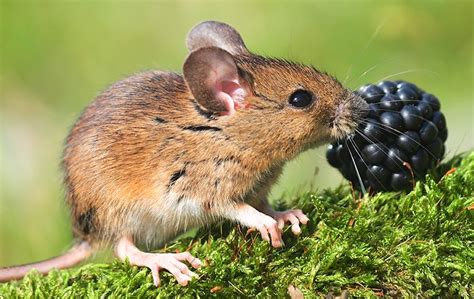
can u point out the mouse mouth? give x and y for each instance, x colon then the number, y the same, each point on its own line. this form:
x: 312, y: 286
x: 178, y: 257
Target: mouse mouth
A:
x: 347, y: 116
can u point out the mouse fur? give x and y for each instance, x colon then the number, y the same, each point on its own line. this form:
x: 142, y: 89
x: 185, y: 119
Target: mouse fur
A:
x: 159, y: 153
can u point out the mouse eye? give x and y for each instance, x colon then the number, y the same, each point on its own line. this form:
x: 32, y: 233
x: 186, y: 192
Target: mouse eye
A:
x: 301, y: 98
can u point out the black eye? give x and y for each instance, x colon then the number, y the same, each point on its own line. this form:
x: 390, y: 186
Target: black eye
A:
x: 300, y: 98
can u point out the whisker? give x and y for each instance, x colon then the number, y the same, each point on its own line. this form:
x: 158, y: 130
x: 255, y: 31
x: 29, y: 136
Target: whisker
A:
x: 363, y: 161
x: 404, y: 164
x: 389, y: 129
x: 367, y: 138
x: 380, y: 148
x: 368, y: 70
x: 358, y: 151
x: 395, y: 101
x: 369, y: 42
x: 408, y: 102
x: 407, y: 72
x: 385, y: 127
x: 376, y: 65
x: 394, y: 111
x: 362, y: 187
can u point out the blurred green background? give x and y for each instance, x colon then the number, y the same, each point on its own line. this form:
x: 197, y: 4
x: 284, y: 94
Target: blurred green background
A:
x: 56, y: 56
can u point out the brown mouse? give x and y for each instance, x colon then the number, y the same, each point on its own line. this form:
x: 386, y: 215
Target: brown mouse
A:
x: 159, y: 153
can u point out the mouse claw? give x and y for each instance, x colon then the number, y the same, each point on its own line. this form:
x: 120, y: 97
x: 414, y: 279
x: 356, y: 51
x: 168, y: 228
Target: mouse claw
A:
x: 249, y: 231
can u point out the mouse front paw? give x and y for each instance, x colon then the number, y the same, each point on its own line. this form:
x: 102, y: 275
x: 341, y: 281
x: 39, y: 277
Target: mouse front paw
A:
x: 256, y: 220
x: 294, y: 217
x: 269, y: 229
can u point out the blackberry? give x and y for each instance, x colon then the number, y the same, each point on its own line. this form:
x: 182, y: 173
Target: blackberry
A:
x: 401, y: 138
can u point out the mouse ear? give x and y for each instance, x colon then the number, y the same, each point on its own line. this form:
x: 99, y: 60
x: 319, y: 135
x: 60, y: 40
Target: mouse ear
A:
x: 215, y: 81
x: 215, y: 34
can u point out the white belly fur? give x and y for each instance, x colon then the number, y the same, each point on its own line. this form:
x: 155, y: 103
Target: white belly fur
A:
x: 158, y: 221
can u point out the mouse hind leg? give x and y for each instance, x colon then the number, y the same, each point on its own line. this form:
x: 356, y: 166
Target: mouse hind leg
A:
x: 173, y: 262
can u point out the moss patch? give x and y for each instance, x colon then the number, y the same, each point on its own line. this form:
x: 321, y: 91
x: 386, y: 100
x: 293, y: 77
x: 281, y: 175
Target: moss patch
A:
x: 392, y: 244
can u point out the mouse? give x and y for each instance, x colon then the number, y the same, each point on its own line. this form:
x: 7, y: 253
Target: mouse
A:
x: 159, y: 153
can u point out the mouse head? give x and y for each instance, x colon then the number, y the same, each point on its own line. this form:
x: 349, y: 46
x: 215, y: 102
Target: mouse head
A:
x: 272, y: 99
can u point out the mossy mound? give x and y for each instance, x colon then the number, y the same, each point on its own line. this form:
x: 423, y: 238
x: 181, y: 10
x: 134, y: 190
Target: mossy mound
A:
x: 392, y: 244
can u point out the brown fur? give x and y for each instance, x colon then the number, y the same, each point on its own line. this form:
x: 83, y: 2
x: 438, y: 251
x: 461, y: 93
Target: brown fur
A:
x: 148, y: 159
x: 144, y: 130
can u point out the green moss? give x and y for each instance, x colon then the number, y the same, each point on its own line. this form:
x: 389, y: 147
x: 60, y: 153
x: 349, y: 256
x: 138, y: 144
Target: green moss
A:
x: 415, y: 244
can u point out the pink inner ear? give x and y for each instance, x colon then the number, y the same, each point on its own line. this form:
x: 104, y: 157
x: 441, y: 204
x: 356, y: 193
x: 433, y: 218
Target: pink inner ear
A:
x: 232, y: 94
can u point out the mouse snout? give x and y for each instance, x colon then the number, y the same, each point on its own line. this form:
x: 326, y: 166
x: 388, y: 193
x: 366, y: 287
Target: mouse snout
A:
x: 347, y: 115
